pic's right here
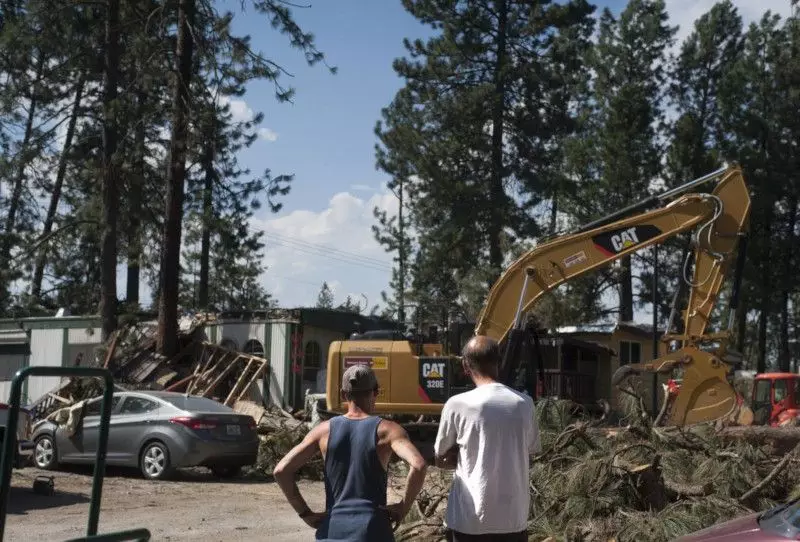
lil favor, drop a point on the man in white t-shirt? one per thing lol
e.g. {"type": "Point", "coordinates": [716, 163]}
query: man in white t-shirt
{"type": "Point", "coordinates": [487, 434]}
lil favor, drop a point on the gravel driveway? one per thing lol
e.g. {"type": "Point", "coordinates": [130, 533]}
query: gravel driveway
{"type": "Point", "coordinates": [194, 506]}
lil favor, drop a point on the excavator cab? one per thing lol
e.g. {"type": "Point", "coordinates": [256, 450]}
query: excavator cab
{"type": "Point", "coordinates": [775, 398]}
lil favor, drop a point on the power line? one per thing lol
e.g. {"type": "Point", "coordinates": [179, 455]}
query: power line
{"type": "Point", "coordinates": [323, 248]}
{"type": "Point", "coordinates": [334, 256]}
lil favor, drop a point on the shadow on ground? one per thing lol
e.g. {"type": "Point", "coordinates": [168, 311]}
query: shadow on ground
{"type": "Point", "coordinates": [189, 475]}
{"type": "Point", "coordinates": [22, 499]}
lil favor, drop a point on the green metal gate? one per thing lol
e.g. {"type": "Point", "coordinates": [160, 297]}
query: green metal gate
{"type": "Point", "coordinates": [9, 450]}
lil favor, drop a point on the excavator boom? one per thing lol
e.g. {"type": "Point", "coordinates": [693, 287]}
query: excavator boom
{"type": "Point", "coordinates": [718, 220]}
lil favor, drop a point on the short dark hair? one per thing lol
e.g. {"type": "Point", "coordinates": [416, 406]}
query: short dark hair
{"type": "Point", "coordinates": [482, 355]}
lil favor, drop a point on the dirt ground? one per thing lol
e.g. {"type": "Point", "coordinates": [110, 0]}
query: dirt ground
{"type": "Point", "coordinates": [195, 505]}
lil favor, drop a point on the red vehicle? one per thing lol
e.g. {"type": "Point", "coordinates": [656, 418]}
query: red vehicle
{"type": "Point", "coordinates": [776, 398]}
{"type": "Point", "coordinates": [775, 525]}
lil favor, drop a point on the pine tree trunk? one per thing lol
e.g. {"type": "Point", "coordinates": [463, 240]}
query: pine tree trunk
{"type": "Point", "coordinates": [496, 192]}
{"type": "Point", "coordinates": [785, 357]}
{"type": "Point", "coordinates": [108, 258]}
{"type": "Point", "coordinates": [18, 184]}
{"type": "Point", "coordinates": [58, 185]}
{"type": "Point", "coordinates": [741, 334]}
{"type": "Point", "coordinates": [554, 212]}
{"type": "Point", "coordinates": [401, 256]}
{"type": "Point", "coordinates": [208, 213]}
{"type": "Point", "coordinates": [135, 195]}
{"type": "Point", "coordinates": [169, 275]}
{"type": "Point", "coordinates": [766, 292]}
{"type": "Point", "coordinates": [626, 291]}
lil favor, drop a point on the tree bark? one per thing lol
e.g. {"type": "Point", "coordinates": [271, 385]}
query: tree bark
{"type": "Point", "coordinates": [135, 194]}
{"type": "Point", "coordinates": [785, 357]}
{"type": "Point", "coordinates": [208, 214]}
{"type": "Point", "coordinates": [58, 185]}
{"type": "Point", "coordinates": [741, 334]}
{"type": "Point", "coordinates": [626, 291]}
{"type": "Point", "coordinates": [401, 255]}
{"type": "Point", "coordinates": [496, 191]}
{"type": "Point", "coordinates": [169, 275]}
{"type": "Point", "coordinates": [108, 257]}
{"type": "Point", "coordinates": [766, 292]}
{"type": "Point", "coordinates": [18, 183]}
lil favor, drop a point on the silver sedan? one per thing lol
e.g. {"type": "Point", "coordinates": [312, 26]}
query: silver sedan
{"type": "Point", "coordinates": [157, 432]}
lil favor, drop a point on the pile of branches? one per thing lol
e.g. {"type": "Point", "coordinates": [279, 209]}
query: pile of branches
{"type": "Point", "coordinates": [279, 432]}
{"type": "Point", "coordinates": [632, 482]}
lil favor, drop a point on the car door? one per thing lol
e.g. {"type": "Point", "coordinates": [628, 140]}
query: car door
{"type": "Point", "coordinates": [91, 427]}
{"type": "Point", "coordinates": [131, 421]}
{"type": "Point", "coordinates": [81, 446]}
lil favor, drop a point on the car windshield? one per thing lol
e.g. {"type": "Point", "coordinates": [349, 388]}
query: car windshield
{"type": "Point", "coordinates": [197, 404]}
{"type": "Point", "coordinates": [784, 519]}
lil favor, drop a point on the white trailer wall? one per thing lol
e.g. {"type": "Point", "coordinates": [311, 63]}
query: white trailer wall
{"type": "Point", "coordinates": [47, 349]}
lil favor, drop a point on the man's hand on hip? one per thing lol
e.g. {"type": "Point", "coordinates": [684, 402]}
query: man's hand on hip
{"type": "Point", "coordinates": [314, 519]}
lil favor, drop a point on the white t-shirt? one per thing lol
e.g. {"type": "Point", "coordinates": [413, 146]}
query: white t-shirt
{"type": "Point", "coordinates": [495, 429]}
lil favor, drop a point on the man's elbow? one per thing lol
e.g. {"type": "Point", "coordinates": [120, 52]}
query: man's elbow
{"type": "Point", "coordinates": [419, 464]}
{"type": "Point", "coordinates": [280, 473]}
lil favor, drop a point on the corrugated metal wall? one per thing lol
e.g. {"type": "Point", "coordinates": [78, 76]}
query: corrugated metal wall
{"type": "Point", "coordinates": [279, 337]}
{"type": "Point", "coordinates": [84, 335]}
{"type": "Point", "coordinates": [240, 333]}
{"type": "Point", "coordinates": [46, 350]}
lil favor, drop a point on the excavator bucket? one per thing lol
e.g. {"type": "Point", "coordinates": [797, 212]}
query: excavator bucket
{"type": "Point", "coordinates": [705, 394]}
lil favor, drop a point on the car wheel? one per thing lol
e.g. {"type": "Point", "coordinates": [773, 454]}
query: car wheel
{"type": "Point", "coordinates": [154, 462]}
{"type": "Point", "coordinates": [44, 452]}
{"type": "Point", "coordinates": [226, 471]}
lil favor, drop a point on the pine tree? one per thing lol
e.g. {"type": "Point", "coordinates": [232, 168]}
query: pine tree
{"type": "Point", "coordinates": [749, 100]}
{"type": "Point", "coordinates": [459, 130]}
{"type": "Point", "coordinates": [622, 155]}
{"type": "Point", "coordinates": [325, 297]}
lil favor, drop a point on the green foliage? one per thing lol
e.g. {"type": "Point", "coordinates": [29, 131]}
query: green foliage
{"type": "Point", "coordinates": [325, 297]}
{"type": "Point", "coordinates": [53, 60]}
{"type": "Point", "coordinates": [470, 136]}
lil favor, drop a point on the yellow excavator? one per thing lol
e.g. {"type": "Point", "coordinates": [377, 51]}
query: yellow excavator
{"type": "Point", "coordinates": [416, 378]}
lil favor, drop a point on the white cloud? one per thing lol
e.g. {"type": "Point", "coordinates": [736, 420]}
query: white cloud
{"type": "Point", "coordinates": [240, 111]}
{"type": "Point", "coordinates": [686, 12]}
{"type": "Point", "coordinates": [336, 245]}
{"type": "Point", "coordinates": [267, 135]}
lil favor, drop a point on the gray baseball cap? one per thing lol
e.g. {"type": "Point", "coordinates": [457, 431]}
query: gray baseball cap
{"type": "Point", "coordinates": [359, 378]}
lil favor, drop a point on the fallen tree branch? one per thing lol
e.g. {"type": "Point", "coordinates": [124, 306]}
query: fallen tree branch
{"type": "Point", "coordinates": [771, 476]}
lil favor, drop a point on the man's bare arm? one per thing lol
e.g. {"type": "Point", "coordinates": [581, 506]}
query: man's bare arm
{"type": "Point", "coordinates": [298, 456]}
{"type": "Point", "coordinates": [405, 450]}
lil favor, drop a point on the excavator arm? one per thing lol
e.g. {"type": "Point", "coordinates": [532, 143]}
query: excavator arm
{"type": "Point", "coordinates": [718, 218]}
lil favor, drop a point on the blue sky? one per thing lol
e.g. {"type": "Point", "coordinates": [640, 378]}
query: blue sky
{"type": "Point", "coordinates": [326, 140]}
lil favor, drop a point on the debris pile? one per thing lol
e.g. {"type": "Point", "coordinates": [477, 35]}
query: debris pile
{"type": "Point", "coordinates": [200, 368]}
{"type": "Point", "coordinates": [633, 482]}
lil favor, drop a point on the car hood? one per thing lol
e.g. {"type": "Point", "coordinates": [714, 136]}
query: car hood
{"type": "Point", "coordinates": [741, 529]}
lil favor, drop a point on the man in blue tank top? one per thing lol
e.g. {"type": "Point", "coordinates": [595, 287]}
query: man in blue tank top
{"type": "Point", "coordinates": [356, 448]}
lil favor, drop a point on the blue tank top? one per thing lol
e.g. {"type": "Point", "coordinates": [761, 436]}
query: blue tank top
{"type": "Point", "coordinates": [355, 484]}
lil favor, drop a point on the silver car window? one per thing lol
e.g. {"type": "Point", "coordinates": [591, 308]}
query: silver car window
{"type": "Point", "coordinates": [93, 406]}
{"type": "Point", "coordinates": [137, 405]}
